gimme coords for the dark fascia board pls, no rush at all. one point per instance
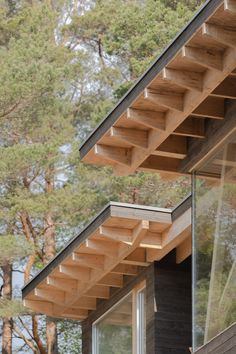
(182, 37)
(105, 213)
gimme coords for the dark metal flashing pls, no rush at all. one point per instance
(182, 37)
(104, 214)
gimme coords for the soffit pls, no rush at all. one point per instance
(178, 102)
(113, 249)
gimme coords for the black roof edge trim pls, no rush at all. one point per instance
(81, 237)
(182, 37)
(183, 206)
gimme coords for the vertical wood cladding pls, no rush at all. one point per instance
(173, 316)
(168, 311)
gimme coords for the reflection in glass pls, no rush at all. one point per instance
(114, 330)
(215, 245)
(141, 322)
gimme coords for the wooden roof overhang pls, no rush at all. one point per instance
(173, 117)
(114, 247)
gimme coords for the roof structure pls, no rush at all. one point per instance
(171, 119)
(114, 247)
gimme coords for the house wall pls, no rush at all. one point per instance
(224, 343)
(168, 311)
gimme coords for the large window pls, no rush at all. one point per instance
(122, 330)
(214, 233)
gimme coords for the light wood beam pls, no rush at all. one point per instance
(115, 154)
(173, 237)
(187, 79)
(150, 119)
(169, 100)
(139, 232)
(107, 248)
(116, 233)
(174, 147)
(134, 137)
(75, 272)
(220, 34)
(67, 285)
(86, 303)
(184, 250)
(151, 240)
(230, 6)
(44, 307)
(192, 100)
(89, 260)
(160, 164)
(114, 280)
(99, 291)
(125, 269)
(207, 58)
(137, 258)
(55, 296)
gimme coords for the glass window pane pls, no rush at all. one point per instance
(114, 330)
(215, 245)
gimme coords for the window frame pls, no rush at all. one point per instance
(138, 342)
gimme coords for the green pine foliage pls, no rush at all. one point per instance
(63, 66)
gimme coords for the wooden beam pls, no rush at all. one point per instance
(169, 100)
(211, 107)
(133, 137)
(107, 248)
(216, 133)
(76, 272)
(116, 233)
(151, 240)
(150, 119)
(220, 34)
(55, 296)
(184, 250)
(192, 100)
(174, 147)
(114, 280)
(99, 291)
(187, 79)
(42, 307)
(67, 285)
(137, 258)
(208, 58)
(230, 6)
(86, 303)
(125, 269)
(193, 127)
(160, 164)
(174, 236)
(115, 154)
(94, 261)
(139, 232)
(227, 89)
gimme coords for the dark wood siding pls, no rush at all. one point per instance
(173, 316)
(168, 313)
(224, 343)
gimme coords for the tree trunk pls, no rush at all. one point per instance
(48, 254)
(7, 321)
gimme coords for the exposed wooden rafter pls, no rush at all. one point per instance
(120, 245)
(190, 89)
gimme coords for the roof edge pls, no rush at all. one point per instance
(169, 52)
